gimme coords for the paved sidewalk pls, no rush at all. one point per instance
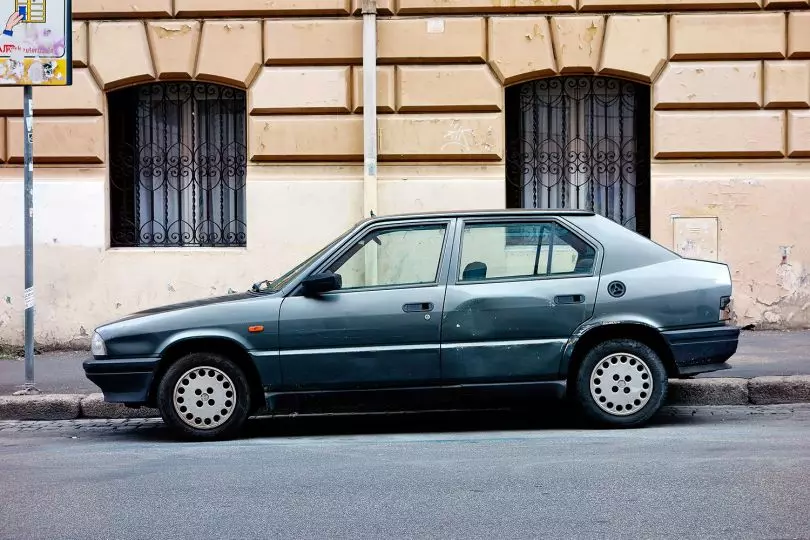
(767, 353)
(761, 353)
(54, 373)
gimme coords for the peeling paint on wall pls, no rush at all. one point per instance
(785, 253)
(163, 32)
(468, 140)
(784, 304)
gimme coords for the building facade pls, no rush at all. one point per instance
(207, 145)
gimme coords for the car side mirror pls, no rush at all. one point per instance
(322, 283)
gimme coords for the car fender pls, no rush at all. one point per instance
(601, 322)
(202, 333)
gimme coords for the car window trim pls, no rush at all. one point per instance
(442, 272)
(293, 287)
(459, 240)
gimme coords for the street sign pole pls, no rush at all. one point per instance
(35, 50)
(28, 212)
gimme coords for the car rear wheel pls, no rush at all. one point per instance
(621, 383)
(204, 396)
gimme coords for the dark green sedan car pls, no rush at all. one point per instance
(442, 310)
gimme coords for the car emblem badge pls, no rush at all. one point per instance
(616, 289)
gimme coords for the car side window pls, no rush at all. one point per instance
(521, 250)
(392, 257)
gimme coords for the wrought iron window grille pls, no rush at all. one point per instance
(178, 163)
(580, 142)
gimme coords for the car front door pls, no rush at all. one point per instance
(382, 327)
(517, 290)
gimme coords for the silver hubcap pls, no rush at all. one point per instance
(204, 397)
(621, 384)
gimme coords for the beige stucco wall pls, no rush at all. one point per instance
(292, 210)
(730, 122)
(758, 223)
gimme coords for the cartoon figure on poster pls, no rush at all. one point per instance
(34, 46)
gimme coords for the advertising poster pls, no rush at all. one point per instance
(35, 46)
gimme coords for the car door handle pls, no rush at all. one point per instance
(418, 306)
(569, 299)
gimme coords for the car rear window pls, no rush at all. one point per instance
(521, 250)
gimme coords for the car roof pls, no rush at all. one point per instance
(482, 213)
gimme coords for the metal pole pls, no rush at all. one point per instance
(28, 187)
(369, 107)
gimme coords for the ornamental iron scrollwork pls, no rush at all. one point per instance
(580, 142)
(178, 163)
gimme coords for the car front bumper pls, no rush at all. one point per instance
(700, 350)
(122, 380)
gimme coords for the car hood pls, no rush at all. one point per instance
(186, 305)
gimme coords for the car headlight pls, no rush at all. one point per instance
(97, 346)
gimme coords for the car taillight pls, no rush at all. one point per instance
(725, 308)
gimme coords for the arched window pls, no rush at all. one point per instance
(177, 165)
(580, 142)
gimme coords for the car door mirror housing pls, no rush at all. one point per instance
(322, 283)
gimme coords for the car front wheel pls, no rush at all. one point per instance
(621, 383)
(204, 396)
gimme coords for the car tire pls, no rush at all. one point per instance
(621, 383)
(204, 396)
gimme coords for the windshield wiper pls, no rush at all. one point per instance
(257, 287)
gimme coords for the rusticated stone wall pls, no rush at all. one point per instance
(734, 84)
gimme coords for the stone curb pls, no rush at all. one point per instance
(694, 392)
(94, 406)
(43, 407)
(773, 390)
(725, 391)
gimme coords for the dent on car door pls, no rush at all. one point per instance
(382, 328)
(516, 293)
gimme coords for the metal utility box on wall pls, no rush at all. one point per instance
(696, 237)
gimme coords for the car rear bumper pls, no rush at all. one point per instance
(122, 381)
(701, 350)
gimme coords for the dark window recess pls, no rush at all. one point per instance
(177, 165)
(580, 143)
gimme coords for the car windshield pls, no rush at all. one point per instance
(282, 281)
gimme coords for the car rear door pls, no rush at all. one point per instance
(382, 328)
(517, 290)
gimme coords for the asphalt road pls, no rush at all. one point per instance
(695, 473)
(760, 353)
